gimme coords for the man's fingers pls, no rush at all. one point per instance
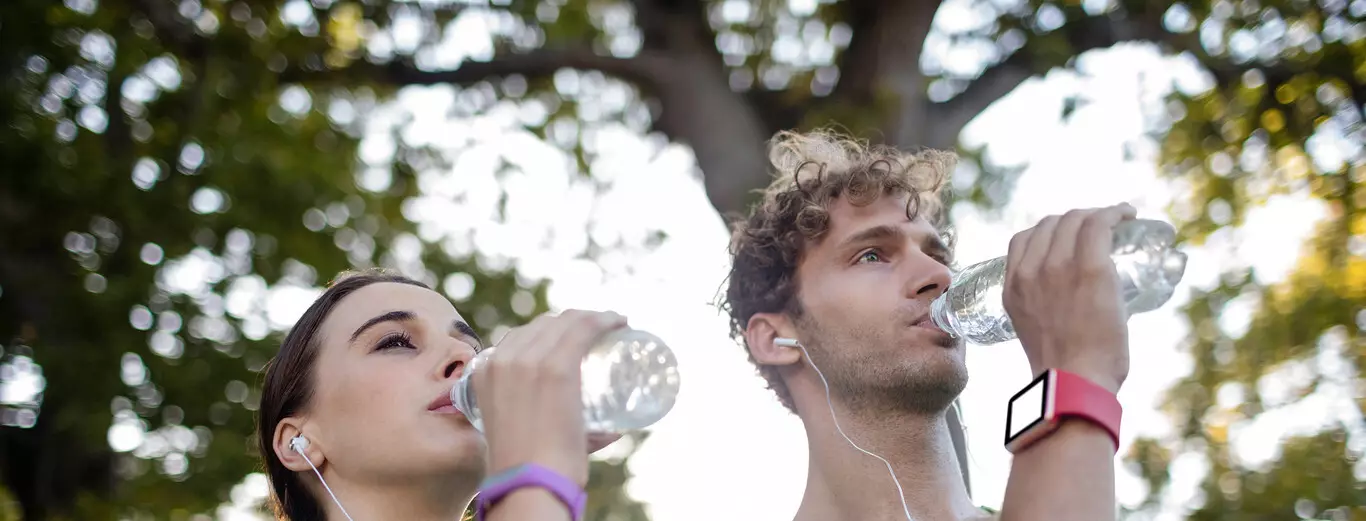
(1065, 238)
(1018, 245)
(1095, 242)
(1040, 242)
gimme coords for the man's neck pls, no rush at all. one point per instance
(844, 483)
(434, 500)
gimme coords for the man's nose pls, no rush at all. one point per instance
(929, 277)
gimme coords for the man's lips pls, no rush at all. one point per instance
(925, 321)
(943, 338)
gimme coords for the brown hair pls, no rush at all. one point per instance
(288, 389)
(811, 171)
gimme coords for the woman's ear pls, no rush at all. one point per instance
(291, 446)
(760, 333)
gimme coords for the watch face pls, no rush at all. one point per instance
(1027, 408)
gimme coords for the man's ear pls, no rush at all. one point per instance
(283, 443)
(762, 329)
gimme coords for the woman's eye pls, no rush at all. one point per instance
(870, 256)
(395, 341)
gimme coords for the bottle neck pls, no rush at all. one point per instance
(939, 314)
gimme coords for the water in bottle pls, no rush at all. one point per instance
(630, 381)
(1149, 270)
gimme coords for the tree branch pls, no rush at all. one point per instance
(888, 37)
(535, 64)
(699, 108)
(951, 116)
(858, 62)
(1081, 35)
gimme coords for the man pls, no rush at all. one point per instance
(840, 261)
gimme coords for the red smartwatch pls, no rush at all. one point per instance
(1036, 410)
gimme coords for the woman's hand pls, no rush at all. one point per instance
(530, 393)
(600, 440)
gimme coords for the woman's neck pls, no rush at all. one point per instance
(433, 500)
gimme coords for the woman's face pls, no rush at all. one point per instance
(389, 354)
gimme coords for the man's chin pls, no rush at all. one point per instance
(934, 384)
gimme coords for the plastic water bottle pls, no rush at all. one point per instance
(1149, 270)
(630, 381)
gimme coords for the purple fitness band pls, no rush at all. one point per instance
(499, 485)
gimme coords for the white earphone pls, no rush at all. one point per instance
(299, 443)
(901, 494)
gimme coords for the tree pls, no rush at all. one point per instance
(161, 186)
(719, 76)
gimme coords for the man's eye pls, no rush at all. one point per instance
(870, 256)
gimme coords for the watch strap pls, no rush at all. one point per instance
(496, 487)
(1078, 397)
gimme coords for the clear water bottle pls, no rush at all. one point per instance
(630, 381)
(1149, 270)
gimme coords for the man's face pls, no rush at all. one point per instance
(865, 290)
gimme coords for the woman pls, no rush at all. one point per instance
(356, 422)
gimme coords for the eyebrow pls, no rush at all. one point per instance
(932, 244)
(465, 329)
(884, 231)
(403, 316)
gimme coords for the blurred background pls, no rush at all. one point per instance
(181, 177)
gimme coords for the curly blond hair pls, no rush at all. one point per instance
(810, 171)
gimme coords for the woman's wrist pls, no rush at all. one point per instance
(564, 492)
(528, 503)
(572, 464)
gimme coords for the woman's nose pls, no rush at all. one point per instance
(452, 368)
(457, 358)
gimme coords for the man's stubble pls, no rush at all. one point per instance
(868, 372)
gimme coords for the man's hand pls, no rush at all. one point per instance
(1062, 294)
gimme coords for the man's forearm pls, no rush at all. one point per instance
(1068, 475)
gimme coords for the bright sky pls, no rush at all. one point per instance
(729, 450)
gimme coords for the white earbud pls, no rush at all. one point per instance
(299, 443)
(786, 342)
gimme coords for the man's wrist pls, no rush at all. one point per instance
(1055, 396)
(1103, 378)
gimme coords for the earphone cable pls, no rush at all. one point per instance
(900, 494)
(329, 489)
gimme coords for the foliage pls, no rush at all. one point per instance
(1283, 118)
(162, 186)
